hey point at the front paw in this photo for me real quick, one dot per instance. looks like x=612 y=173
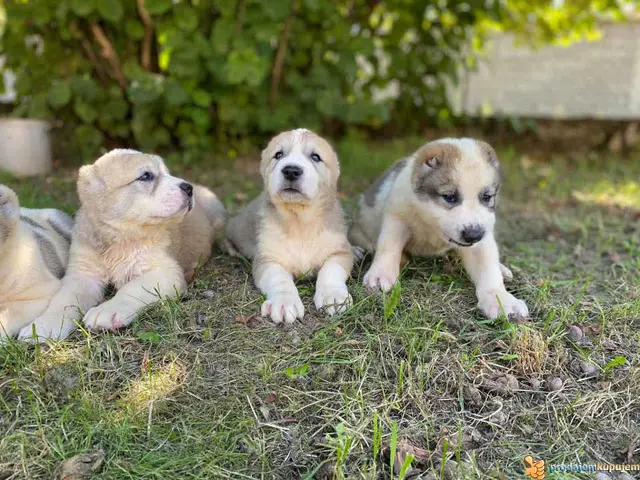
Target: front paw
x=333 y=298
x=283 y=307
x=495 y=302
x=381 y=277
x=51 y=327
x=109 y=316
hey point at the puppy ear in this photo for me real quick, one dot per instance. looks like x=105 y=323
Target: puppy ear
x=430 y=156
x=89 y=182
x=489 y=153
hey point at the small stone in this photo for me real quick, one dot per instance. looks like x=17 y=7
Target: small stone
x=201 y=319
x=535 y=383
x=624 y=476
x=602 y=476
x=554 y=384
x=588 y=369
x=575 y=334
x=209 y=293
x=472 y=395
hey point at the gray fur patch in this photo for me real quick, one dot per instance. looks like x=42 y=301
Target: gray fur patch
x=63 y=230
x=50 y=255
x=31 y=222
x=392 y=172
x=431 y=183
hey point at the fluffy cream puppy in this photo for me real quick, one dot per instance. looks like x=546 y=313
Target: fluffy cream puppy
x=138 y=228
x=442 y=197
x=296 y=227
x=34 y=249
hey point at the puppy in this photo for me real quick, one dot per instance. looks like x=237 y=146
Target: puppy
x=34 y=250
x=138 y=228
x=296 y=227
x=442 y=197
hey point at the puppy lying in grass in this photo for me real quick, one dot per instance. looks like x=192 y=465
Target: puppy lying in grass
x=138 y=228
x=34 y=249
x=443 y=197
x=296 y=227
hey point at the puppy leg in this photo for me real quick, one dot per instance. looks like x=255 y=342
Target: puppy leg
x=331 y=285
x=82 y=288
x=78 y=293
x=283 y=302
x=9 y=212
x=135 y=296
x=385 y=268
x=507 y=275
x=19 y=314
x=483 y=266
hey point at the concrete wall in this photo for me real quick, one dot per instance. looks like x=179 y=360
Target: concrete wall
x=585 y=80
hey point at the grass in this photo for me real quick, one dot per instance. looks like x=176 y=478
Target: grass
x=420 y=380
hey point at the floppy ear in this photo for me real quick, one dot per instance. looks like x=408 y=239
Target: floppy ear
x=89 y=182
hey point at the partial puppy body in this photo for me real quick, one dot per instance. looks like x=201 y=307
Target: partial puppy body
x=443 y=197
x=296 y=227
x=138 y=228
x=34 y=250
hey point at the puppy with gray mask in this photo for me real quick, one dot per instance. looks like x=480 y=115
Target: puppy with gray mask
x=442 y=197
x=138 y=228
x=296 y=227
x=34 y=249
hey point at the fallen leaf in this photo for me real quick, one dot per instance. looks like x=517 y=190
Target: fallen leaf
x=404 y=448
x=339 y=332
x=271 y=398
x=80 y=466
x=245 y=320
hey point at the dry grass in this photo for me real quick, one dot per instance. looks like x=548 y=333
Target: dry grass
x=198 y=389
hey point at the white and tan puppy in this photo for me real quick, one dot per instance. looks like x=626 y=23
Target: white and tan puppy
x=442 y=197
x=138 y=228
x=296 y=227
x=34 y=249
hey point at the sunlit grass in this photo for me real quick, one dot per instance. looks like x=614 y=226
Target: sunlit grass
x=608 y=193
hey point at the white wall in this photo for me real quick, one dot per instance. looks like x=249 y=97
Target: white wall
x=585 y=80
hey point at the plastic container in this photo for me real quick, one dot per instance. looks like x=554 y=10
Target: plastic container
x=25 y=147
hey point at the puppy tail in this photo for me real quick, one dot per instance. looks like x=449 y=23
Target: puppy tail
x=213 y=208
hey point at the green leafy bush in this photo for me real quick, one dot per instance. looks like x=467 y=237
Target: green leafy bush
x=191 y=74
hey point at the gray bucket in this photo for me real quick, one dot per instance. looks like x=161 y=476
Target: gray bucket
x=25 y=147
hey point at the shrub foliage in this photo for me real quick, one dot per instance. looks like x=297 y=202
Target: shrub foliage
x=192 y=73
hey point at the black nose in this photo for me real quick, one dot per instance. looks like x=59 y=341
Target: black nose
x=291 y=172
x=472 y=233
x=187 y=188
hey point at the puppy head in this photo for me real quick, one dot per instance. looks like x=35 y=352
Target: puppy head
x=457 y=180
x=129 y=188
x=298 y=166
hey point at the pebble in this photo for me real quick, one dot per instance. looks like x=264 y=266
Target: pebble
x=602 y=476
x=554 y=384
x=209 y=293
x=575 y=334
x=201 y=319
x=588 y=369
x=624 y=476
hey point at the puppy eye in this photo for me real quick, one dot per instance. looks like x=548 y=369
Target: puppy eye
x=450 y=198
x=315 y=157
x=486 y=198
x=146 y=177
x=279 y=154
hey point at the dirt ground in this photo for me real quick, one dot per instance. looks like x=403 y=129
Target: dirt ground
x=416 y=385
